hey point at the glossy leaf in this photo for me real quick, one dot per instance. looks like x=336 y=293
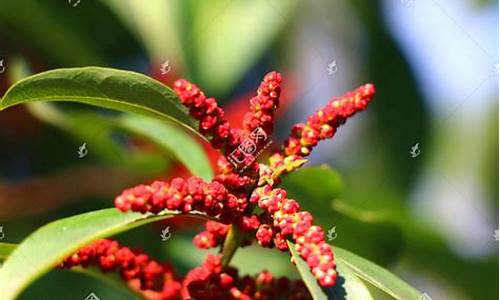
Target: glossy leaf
x=376 y=275
x=351 y=269
x=104 y=87
x=6 y=249
x=51 y=244
x=347 y=287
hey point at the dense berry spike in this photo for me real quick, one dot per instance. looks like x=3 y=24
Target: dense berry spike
x=183 y=195
x=212 y=124
x=323 y=124
x=264 y=105
x=132 y=265
x=231 y=197
x=211 y=281
x=287 y=221
x=213 y=235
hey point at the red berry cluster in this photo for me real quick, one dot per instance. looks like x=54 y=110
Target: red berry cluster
x=231 y=198
x=189 y=195
x=263 y=106
x=286 y=221
x=211 y=281
x=132 y=265
x=323 y=124
x=319 y=126
x=214 y=235
x=236 y=183
x=211 y=116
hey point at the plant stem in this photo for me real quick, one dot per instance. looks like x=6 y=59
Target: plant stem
x=231 y=243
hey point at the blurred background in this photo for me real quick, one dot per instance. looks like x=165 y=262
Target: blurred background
x=418 y=170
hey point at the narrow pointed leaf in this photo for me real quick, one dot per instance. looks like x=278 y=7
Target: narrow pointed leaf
x=47 y=247
x=111 y=279
x=376 y=275
x=347 y=287
x=104 y=87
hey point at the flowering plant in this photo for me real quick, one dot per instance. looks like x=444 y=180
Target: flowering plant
x=241 y=205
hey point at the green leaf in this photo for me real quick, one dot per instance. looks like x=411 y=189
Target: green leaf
x=104 y=87
x=327 y=184
x=316 y=291
x=348 y=286
x=110 y=279
x=6 y=249
x=317 y=189
x=51 y=244
x=183 y=147
x=376 y=275
x=351 y=268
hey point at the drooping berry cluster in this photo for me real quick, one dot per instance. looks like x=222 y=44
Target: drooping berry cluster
x=189 y=195
x=211 y=281
x=231 y=198
x=132 y=265
x=286 y=221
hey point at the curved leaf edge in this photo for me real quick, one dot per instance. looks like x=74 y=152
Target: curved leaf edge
x=347 y=260
x=119 y=106
x=7 y=248
x=141 y=219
